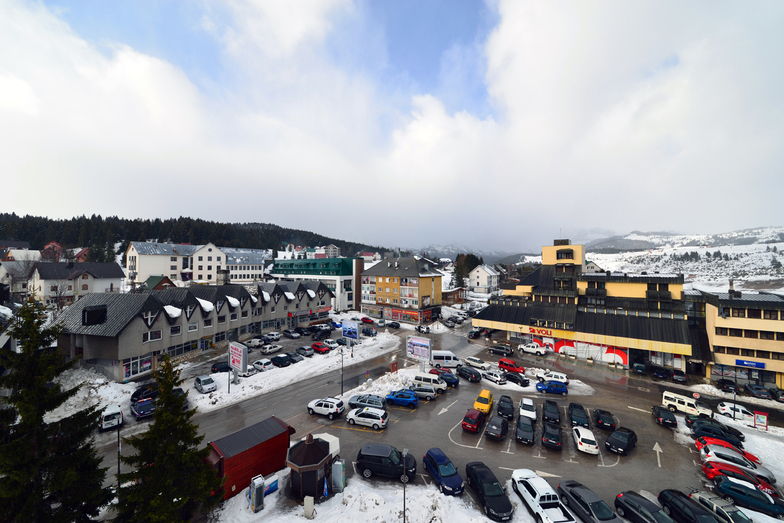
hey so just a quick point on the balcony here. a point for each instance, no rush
(599, 293)
(658, 295)
(564, 275)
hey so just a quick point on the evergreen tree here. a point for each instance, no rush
(170, 481)
(49, 472)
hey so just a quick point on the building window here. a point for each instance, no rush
(172, 276)
(173, 258)
(217, 258)
(84, 287)
(209, 267)
(209, 276)
(151, 336)
(85, 276)
(208, 323)
(233, 316)
(767, 335)
(738, 313)
(750, 334)
(763, 354)
(747, 352)
(770, 315)
(719, 350)
(201, 258)
(736, 333)
(272, 309)
(175, 330)
(53, 288)
(193, 325)
(172, 267)
(70, 287)
(221, 320)
(209, 258)
(201, 268)
(244, 314)
(733, 351)
(200, 276)
(754, 313)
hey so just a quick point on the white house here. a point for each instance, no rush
(62, 283)
(483, 279)
(179, 262)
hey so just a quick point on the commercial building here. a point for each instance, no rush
(339, 275)
(402, 289)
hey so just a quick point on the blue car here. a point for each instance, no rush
(552, 387)
(443, 472)
(450, 379)
(403, 397)
(745, 494)
(337, 325)
(143, 409)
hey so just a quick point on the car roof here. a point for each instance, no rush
(371, 410)
(376, 449)
(646, 503)
(624, 430)
(438, 455)
(473, 414)
(485, 393)
(505, 398)
(527, 401)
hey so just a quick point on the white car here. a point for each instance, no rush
(585, 440)
(477, 363)
(269, 349)
(329, 407)
(331, 344)
(369, 417)
(263, 365)
(553, 376)
(739, 412)
(533, 348)
(205, 384)
(254, 342)
(274, 336)
(494, 376)
(528, 409)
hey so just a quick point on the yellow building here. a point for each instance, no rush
(402, 289)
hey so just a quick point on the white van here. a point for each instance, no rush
(111, 417)
(685, 404)
(430, 379)
(444, 358)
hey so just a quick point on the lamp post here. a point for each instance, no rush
(405, 453)
(341, 371)
(734, 391)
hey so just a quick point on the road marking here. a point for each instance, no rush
(617, 460)
(635, 408)
(539, 452)
(445, 409)
(508, 447)
(658, 450)
(643, 389)
(459, 423)
(546, 474)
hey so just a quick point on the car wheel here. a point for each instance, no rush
(563, 394)
(428, 398)
(411, 405)
(565, 500)
(538, 353)
(727, 414)
(672, 409)
(367, 473)
(331, 415)
(375, 426)
(438, 365)
(541, 380)
(667, 510)
(538, 518)
(620, 511)
(351, 421)
(404, 478)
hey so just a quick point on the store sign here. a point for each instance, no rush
(752, 364)
(238, 356)
(418, 348)
(761, 420)
(536, 330)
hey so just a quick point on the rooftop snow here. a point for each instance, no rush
(172, 311)
(207, 306)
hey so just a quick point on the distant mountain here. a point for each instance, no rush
(451, 252)
(639, 241)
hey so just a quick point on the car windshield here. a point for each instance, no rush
(206, 381)
(737, 516)
(469, 420)
(482, 399)
(704, 518)
(493, 489)
(601, 510)
(620, 436)
(395, 457)
(528, 407)
(660, 517)
(447, 469)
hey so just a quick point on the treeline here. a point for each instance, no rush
(103, 234)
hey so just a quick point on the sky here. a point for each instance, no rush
(499, 125)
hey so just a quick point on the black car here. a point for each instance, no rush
(281, 360)
(777, 394)
(639, 509)
(659, 372)
(474, 334)
(678, 376)
(385, 460)
(393, 325)
(506, 407)
(146, 392)
(578, 416)
(683, 509)
(719, 425)
(664, 416)
(516, 377)
(295, 357)
(524, 431)
(320, 335)
(585, 503)
(708, 431)
(143, 409)
(369, 331)
(552, 436)
(221, 366)
(622, 441)
(302, 331)
(551, 412)
(490, 492)
(469, 373)
(497, 428)
(342, 341)
(726, 385)
(603, 419)
(504, 349)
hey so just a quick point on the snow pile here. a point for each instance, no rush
(205, 305)
(172, 311)
(234, 302)
(95, 389)
(5, 311)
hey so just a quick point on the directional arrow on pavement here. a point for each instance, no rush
(546, 474)
(658, 450)
(447, 407)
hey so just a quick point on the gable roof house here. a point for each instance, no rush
(61, 283)
(483, 279)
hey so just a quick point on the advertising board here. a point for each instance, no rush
(238, 356)
(418, 348)
(350, 330)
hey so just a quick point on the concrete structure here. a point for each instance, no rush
(483, 279)
(402, 289)
(339, 275)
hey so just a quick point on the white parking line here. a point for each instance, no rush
(459, 423)
(508, 447)
(635, 408)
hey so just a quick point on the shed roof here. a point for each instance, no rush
(249, 437)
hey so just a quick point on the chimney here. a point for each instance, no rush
(732, 289)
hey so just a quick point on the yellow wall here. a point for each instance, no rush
(430, 287)
(631, 289)
(427, 287)
(549, 254)
(520, 290)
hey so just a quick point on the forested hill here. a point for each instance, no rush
(102, 234)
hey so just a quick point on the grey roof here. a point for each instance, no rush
(762, 299)
(165, 249)
(68, 270)
(11, 244)
(236, 256)
(121, 309)
(408, 267)
(249, 437)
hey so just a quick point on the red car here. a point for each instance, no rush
(440, 371)
(715, 468)
(473, 420)
(365, 319)
(320, 347)
(702, 441)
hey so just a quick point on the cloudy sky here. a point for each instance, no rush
(497, 124)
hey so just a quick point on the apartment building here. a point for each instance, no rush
(402, 289)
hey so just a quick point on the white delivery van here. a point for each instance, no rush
(435, 380)
(685, 404)
(444, 358)
(112, 416)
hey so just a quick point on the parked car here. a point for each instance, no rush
(585, 440)
(524, 430)
(758, 391)
(221, 366)
(424, 391)
(705, 440)
(257, 341)
(497, 428)
(305, 351)
(727, 385)
(331, 344)
(552, 375)
(777, 394)
(477, 363)
(495, 377)
(603, 419)
(367, 400)
(725, 455)
(527, 409)
(403, 397)
(552, 436)
(664, 416)
(532, 348)
(585, 503)
(719, 425)
(329, 407)
(319, 347)
(700, 430)
(146, 392)
(622, 441)
(484, 402)
(320, 335)
(273, 336)
(143, 409)
(443, 472)
(723, 510)
(474, 334)
(639, 509)
(519, 379)
(450, 379)
(735, 411)
(678, 376)
(552, 387)
(250, 370)
(393, 325)
(540, 498)
(469, 373)
(578, 416)
(683, 509)
(551, 412)
(746, 495)
(263, 365)
(659, 372)
(712, 469)
(639, 368)
(504, 349)
(368, 417)
(342, 341)
(473, 420)
(336, 324)
(204, 384)
(490, 492)
(302, 331)
(281, 360)
(385, 460)
(294, 357)
(449, 323)
(291, 333)
(423, 328)
(506, 408)
(270, 349)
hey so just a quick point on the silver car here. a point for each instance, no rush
(424, 392)
(205, 384)
(725, 455)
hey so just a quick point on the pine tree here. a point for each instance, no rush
(170, 481)
(49, 472)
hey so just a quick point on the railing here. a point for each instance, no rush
(601, 293)
(659, 295)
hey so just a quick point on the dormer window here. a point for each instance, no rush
(148, 316)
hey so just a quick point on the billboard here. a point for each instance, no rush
(418, 348)
(350, 330)
(238, 356)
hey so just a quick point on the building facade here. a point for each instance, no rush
(484, 279)
(62, 283)
(178, 262)
(339, 275)
(402, 289)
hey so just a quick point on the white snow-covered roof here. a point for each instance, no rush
(172, 311)
(253, 298)
(206, 305)
(311, 294)
(234, 302)
(265, 295)
(289, 295)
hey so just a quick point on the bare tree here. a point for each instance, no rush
(19, 273)
(58, 291)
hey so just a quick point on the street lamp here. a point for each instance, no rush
(341, 371)
(405, 453)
